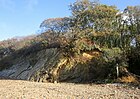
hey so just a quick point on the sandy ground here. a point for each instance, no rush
(18, 89)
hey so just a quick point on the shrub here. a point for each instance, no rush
(134, 60)
(105, 66)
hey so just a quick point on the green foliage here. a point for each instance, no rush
(111, 54)
(107, 62)
(134, 60)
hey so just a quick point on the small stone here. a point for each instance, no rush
(55, 82)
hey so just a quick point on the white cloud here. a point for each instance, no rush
(7, 4)
(31, 4)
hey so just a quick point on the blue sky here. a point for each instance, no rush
(23, 17)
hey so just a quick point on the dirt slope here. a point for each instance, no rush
(17, 89)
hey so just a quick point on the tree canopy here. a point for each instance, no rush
(93, 24)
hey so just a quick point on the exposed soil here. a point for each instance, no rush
(18, 89)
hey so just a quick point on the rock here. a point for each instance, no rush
(55, 82)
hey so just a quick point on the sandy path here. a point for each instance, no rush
(17, 89)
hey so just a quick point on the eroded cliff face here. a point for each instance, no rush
(33, 66)
(47, 65)
(51, 64)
